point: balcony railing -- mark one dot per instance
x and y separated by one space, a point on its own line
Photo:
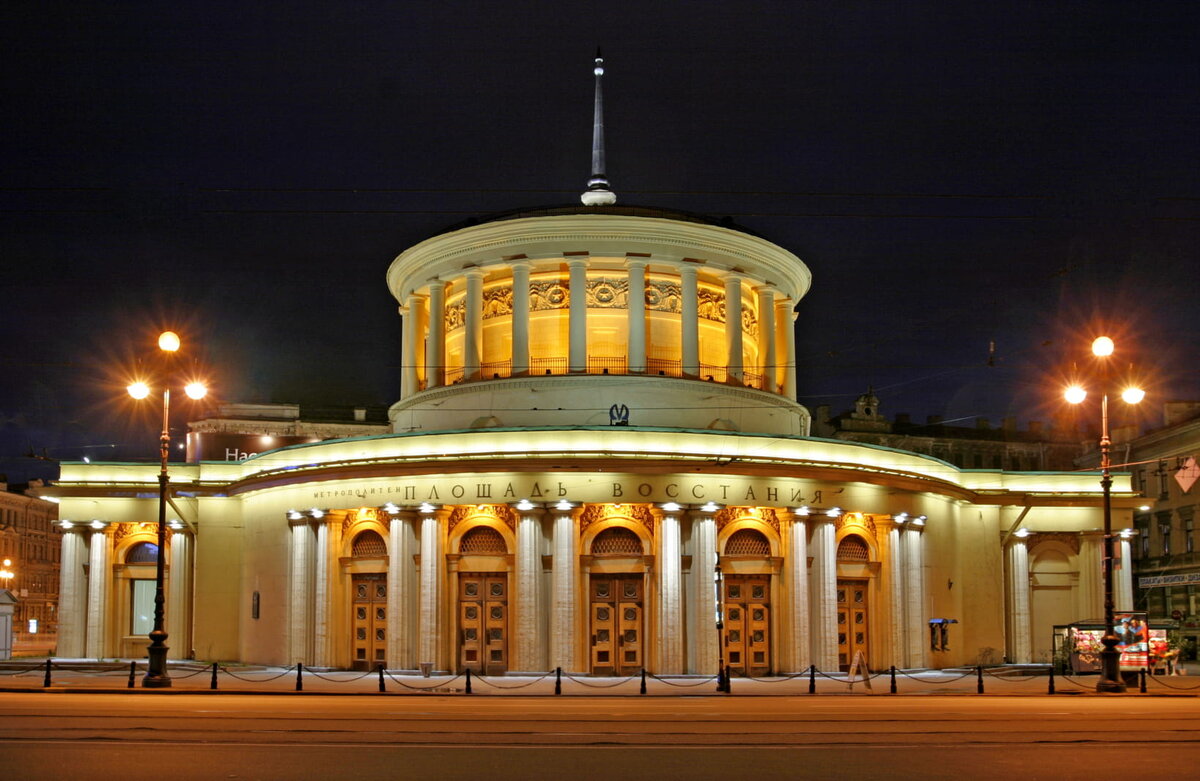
608 364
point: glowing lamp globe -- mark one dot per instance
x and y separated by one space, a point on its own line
195 390
168 341
1075 394
138 390
1102 347
1133 395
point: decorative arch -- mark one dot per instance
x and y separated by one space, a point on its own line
861 526
368 543
607 516
466 519
762 520
852 547
617 541
129 535
141 552
355 522
747 541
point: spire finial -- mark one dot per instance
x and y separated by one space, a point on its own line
597 193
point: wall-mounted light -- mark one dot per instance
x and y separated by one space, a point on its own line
803 510
671 507
834 512
525 505
426 508
563 504
317 512
294 515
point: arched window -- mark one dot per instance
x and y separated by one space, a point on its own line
368 543
142 553
853 548
747 542
483 541
617 541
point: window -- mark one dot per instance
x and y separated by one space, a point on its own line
141 613
1164 529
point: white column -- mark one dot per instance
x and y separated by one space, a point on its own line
822 587
1019 641
473 325
766 338
785 323
409 340
300 595
530 648
636 303
670 596
796 581
432 562
689 320
916 629
895 565
1123 576
520 317
733 327
565 592
72 596
1091 576
179 596
435 345
401 601
322 607
99 578
702 631
577 356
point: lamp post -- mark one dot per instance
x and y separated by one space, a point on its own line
156 669
718 587
7 574
1110 658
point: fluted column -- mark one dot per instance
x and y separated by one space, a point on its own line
766 338
636 303
702 612
786 333
473 324
670 595
1123 576
1091 576
72 595
577 357
520 317
1019 641
402 584
179 595
565 596
916 628
733 328
430 619
435 345
531 626
409 345
689 320
99 577
896 583
322 596
823 594
796 582
300 594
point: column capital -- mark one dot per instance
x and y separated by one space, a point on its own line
473 272
636 262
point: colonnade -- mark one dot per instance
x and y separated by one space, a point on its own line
424 355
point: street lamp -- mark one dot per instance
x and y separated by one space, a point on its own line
156 669
7 574
1110 677
718 587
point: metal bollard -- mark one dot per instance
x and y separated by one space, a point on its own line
468 680
893 679
728 686
643 689
46 680
382 688
558 680
812 679
299 676
132 674
720 679
979 676
1050 688
212 684
1142 685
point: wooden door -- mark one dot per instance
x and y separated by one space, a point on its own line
483 622
852 621
617 635
748 624
368 649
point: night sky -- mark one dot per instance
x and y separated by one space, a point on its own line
956 175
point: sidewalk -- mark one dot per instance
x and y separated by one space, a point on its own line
193 677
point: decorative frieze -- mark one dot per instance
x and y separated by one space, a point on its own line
608 293
711 305
498 512
549 294
858 521
766 515
497 302
456 315
663 296
594 513
1070 539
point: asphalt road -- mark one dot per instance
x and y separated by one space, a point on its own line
148 735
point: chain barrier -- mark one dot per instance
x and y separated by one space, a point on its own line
234 675
912 677
701 682
1011 678
37 668
310 671
483 679
1160 680
438 685
1069 680
775 678
175 676
598 685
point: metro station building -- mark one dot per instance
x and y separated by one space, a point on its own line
597 449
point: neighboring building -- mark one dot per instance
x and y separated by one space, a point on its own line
1166 548
1034 449
30 540
597 408
239 431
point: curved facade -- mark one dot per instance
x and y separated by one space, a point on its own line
596 451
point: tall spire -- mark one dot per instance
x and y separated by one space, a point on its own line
597 193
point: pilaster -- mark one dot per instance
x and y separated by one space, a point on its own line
823 594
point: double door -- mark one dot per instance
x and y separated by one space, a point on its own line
368 648
747 612
617 631
851 621
483 622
